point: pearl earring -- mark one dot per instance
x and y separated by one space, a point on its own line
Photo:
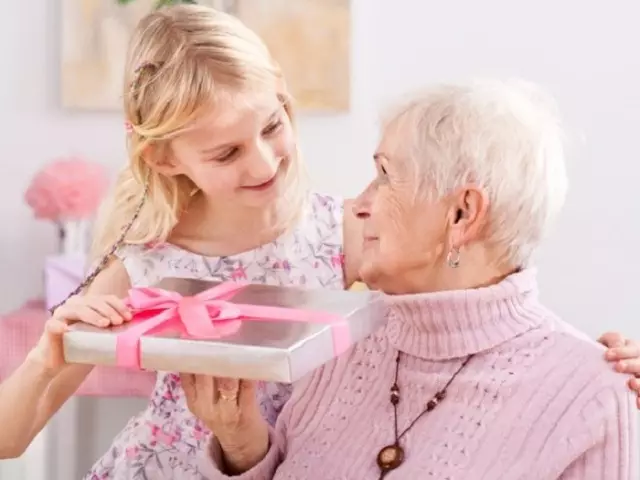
453 257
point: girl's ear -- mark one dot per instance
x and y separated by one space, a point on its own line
161 160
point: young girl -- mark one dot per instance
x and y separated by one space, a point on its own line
214 189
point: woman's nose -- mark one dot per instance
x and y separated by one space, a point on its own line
362 205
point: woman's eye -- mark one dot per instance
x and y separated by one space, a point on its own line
272 128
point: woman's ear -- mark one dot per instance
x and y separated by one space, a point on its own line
467 215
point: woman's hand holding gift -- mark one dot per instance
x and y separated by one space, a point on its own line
229 408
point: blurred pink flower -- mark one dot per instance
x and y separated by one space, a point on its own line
68 188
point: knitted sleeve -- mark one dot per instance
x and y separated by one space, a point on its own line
610 419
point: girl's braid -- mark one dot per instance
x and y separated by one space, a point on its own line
144 75
104 261
150 68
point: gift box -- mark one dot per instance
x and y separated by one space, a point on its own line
258 332
62 274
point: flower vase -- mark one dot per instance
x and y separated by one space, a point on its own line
75 236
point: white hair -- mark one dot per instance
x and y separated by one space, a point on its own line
504 136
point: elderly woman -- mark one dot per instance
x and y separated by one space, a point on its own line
472 377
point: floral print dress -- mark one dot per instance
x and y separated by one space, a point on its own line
162 441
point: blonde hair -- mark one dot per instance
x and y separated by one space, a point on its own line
180 59
504 136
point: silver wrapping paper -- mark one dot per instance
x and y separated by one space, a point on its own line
277 351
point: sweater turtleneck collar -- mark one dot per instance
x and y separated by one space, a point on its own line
453 324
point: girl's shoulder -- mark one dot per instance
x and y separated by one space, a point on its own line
328 204
325 213
141 260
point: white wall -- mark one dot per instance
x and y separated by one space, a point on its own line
584 52
586 55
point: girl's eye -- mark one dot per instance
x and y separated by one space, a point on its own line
272 128
226 156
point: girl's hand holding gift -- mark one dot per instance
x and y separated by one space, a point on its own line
98 310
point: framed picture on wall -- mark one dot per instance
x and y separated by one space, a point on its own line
309 38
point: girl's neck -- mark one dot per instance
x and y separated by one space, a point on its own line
220 230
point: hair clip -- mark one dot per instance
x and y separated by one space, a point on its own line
128 127
145 66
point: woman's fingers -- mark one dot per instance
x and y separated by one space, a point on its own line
631 366
227 402
627 357
227 390
629 350
612 340
226 406
205 385
188 382
209 389
247 394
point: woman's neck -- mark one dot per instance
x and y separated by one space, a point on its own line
479 267
456 323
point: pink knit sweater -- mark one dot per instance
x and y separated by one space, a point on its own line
537 402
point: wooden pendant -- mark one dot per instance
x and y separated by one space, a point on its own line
390 457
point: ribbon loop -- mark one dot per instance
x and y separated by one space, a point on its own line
200 317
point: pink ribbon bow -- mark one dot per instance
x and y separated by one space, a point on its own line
206 315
